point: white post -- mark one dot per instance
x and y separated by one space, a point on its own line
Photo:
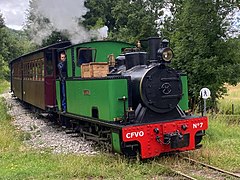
204 107
205 93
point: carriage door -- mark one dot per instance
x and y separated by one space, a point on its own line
50 87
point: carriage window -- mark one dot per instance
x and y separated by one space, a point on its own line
85 55
49 64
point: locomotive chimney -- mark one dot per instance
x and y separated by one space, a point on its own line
153 45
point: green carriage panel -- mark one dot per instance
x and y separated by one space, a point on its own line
84 97
183 103
58 95
69 63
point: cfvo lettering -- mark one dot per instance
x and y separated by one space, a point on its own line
134 134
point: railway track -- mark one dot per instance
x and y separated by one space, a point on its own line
183 175
206 171
234 175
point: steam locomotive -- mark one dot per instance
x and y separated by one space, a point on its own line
116 92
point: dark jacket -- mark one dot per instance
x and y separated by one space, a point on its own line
62 66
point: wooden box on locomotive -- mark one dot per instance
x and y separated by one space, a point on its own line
94 69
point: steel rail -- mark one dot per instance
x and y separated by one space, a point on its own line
176 172
183 174
211 167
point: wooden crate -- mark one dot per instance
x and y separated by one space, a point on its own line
85 70
94 69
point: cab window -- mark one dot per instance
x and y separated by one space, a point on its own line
85 55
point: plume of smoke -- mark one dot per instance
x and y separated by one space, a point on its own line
103 32
64 16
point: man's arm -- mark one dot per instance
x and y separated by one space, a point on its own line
60 67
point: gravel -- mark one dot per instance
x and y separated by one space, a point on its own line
41 134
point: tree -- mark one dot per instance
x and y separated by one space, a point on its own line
126 20
100 11
4 48
3 65
4 70
201 48
13 43
135 21
2 23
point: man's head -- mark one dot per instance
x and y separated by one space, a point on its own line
62 57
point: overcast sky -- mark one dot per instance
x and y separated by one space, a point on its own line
14 12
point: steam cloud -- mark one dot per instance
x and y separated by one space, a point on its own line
64 16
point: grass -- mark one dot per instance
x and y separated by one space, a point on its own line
32 165
222 143
19 162
221 147
230 104
4 85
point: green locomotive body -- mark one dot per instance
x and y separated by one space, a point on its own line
85 95
103 92
101 97
98 98
95 97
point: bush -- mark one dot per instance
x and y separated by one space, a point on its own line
4 69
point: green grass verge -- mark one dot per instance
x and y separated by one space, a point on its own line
230 104
32 165
19 162
221 145
4 85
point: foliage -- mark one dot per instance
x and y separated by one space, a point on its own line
202 50
4 70
100 11
55 37
2 23
4 86
13 44
129 21
126 20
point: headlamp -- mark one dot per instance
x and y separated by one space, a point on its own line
166 54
